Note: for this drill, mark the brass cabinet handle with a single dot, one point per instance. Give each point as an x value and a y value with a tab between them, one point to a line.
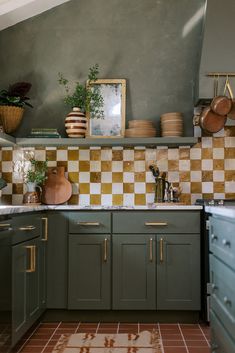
156	223
6	225
27	228
161	250
105	249
88	223
32	249
45	219
151	249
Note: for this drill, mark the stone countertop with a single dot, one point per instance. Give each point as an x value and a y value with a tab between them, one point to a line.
225	211
5	210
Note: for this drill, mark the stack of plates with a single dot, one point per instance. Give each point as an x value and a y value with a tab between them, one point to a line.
172	124
140	128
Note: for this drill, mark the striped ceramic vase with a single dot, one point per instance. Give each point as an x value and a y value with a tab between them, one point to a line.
76	123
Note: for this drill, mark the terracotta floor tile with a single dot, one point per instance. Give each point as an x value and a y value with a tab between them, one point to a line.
172	343
194	337
29	349
199	350
190	343
175	350
169	336
107	330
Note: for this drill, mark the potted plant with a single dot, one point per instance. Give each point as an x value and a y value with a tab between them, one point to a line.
34	179
83	99
12	103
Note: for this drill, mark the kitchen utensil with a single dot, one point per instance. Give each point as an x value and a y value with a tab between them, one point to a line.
210	121
231	114
221	104
57	188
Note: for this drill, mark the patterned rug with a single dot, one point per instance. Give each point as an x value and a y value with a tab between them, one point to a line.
144	342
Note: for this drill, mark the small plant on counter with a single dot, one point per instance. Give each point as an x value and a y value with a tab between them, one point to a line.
85	97
15	95
37	173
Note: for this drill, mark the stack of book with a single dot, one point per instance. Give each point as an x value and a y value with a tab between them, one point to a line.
44	133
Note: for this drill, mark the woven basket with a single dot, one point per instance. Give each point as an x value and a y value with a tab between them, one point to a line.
10	117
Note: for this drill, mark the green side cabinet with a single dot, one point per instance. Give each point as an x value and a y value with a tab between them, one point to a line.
89	282
134	272
178	272
25	286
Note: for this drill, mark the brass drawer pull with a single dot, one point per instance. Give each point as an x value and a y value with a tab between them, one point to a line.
161	250
27	228
7	226
151	250
88	223
156	223
105	249
45	219
32	249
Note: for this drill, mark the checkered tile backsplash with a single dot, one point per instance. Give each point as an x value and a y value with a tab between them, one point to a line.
121	176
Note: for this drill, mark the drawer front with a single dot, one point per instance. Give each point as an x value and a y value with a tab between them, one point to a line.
221	342
89	222
222	240
223	293
156	222
26	227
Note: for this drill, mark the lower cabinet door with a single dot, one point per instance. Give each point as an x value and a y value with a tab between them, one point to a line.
178	272
221	341
134	278
25	286
89	272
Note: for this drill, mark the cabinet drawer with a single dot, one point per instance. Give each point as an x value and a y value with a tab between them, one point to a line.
223	293
89	222
26	227
222	240
156	222
221	341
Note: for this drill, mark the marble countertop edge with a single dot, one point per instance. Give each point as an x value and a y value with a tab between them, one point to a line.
16	209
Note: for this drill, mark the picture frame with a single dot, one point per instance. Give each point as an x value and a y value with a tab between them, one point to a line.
112	125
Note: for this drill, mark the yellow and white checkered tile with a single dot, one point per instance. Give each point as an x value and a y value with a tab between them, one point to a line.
121	176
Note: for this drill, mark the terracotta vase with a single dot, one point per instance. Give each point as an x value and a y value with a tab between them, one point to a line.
76	123
57	189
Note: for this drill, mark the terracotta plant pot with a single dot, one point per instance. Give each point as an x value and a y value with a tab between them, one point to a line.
10	117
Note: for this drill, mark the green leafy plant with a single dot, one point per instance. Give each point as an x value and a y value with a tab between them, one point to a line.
86	97
15	95
37	174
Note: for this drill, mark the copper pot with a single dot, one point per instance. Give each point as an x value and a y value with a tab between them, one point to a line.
221	104
209	121
231	114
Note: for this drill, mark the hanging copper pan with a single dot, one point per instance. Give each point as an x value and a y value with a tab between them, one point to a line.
231	114
211	122
221	104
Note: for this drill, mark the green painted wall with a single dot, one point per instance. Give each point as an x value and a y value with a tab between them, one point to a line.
140	40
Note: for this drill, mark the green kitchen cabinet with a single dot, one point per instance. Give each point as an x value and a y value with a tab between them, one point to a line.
57	258
26	306
134	276
178	272
89	282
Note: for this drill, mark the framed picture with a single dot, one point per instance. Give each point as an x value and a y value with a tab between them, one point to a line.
112	124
